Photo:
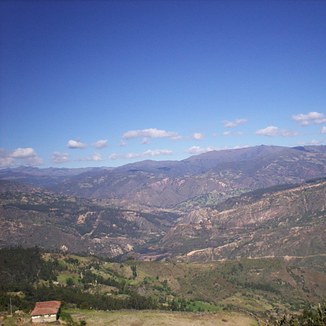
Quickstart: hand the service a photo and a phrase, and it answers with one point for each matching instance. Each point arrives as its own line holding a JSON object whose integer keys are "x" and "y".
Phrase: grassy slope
{"x": 256, "y": 285}
{"x": 262, "y": 287}
{"x": 150, "y": 318}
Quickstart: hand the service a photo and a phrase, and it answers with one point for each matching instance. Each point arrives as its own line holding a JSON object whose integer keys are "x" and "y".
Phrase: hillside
{"x": 30, "y": 216}
{"x": 263, "y": 288}
{"x": 278, "y": 221}
{"x": 269, "y": 222}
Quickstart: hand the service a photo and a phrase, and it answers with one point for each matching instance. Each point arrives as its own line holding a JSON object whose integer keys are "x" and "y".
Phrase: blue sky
{"x": 106, "y": 83}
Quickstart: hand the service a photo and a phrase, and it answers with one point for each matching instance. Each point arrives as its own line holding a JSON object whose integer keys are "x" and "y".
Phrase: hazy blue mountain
{"x": 215, "y": 174}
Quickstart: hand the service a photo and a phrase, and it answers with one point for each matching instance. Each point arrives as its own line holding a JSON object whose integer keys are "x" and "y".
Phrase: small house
{"x": 46, "y": 311}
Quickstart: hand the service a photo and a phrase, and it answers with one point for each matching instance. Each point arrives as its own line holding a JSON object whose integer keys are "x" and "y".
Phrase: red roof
{"x": 46, "y": 308}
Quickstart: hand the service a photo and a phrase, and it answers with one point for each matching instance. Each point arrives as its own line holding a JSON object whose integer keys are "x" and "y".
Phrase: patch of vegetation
{"x": 21, "y": 267}
{"x": 260, "y": 286}
{"x": 25, "y": 271}
{"x": 311, "y": 316}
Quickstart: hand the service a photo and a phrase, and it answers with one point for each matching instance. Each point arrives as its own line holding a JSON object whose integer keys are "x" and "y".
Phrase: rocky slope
{"x": 288, "y": 222}
{"x": 281, "y": 221}
{"x": 31, "y": 216}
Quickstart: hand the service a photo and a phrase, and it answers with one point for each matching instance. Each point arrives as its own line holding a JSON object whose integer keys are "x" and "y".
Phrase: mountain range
{"x": 219, "y": 174}
{"x": 249, "y": 202}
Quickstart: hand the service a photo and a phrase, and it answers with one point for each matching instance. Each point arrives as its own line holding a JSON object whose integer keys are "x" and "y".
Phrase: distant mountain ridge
{"x": 170, "y": 183}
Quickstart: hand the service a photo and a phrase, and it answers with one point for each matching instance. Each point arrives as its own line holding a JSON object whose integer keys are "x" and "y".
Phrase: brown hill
{"x": 269, "y": 222}
{"x": 31, "y": 216}
{"x": 263, "y": 223}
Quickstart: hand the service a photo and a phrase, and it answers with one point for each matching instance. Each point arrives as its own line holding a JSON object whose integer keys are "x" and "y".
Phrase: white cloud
{"x": 157, "y": 152}
{"x": 323, "y": 130}
{"x": 114, "y": 156}
{"x": 150, "y": 133}
{"x": 27, "y": 156}
{"x": 199, "y": 150}
{"x": 59, "y": 158}
{"x": 73, "y": 144}
{"x": 234, "y": 123}
{"x": 21, "y": 153}
{"x": 6, "y": 162}
{"x": 288, "y": 133}
{"x": 148, "y": 153}
{"x": 101, "y": 143}
{"x": 198, "y": 136}
{"x": 19, "y": 156}
{"x": 273, "y": 131}
{"x": 5, "y": 159}
{"x": 312, "y": 142}
{"x": 132, "y": 155}
{"x": 96, "y": 157}
{"x": 312, "y": 118}
{"x": 232, "y": 133}
{"x": 268, "y": 131}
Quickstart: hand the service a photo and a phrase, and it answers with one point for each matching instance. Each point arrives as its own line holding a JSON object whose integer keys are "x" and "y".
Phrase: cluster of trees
{"x": 19, "y": 268}
{"x": 21, "y": 271}
{"x": 311, "y": 316}
{"x": 70, "y": 295}
{"x": 97, "y": 301}
{"x": 179, "y": 305}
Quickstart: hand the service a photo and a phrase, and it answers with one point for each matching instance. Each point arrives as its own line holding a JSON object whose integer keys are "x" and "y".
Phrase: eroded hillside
{"x": 262, "y": 223}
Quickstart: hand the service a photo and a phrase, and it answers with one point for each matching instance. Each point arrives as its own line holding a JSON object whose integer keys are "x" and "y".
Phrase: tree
{"x": 134, "y": 271}
{"x": 70, "y": 281}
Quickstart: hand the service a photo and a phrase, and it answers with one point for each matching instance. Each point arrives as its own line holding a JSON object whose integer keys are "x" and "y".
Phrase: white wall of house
{"x": 44, "y": 318}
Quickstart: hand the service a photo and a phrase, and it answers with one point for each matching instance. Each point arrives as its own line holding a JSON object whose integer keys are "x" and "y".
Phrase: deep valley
{"x": 242, "y": 229}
